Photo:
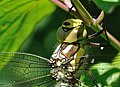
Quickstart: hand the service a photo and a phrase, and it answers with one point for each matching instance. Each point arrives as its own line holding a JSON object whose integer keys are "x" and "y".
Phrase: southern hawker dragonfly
{"x": 65, "y": 68}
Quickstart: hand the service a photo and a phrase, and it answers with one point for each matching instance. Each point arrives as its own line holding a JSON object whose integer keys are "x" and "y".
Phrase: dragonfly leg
{"x": 91, "y": 75}
{"x": 70, "y": 9}
{"x": 99, "y": 44}
{"x": 95, "y": 34}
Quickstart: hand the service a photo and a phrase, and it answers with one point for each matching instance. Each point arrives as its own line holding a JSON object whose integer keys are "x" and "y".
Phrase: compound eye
{"x": 66, "y": 23}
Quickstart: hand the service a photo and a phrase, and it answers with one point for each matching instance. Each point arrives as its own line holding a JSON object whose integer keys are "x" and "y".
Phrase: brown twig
{"x": 65, "y": 7}
{"x": 60, "y": 4}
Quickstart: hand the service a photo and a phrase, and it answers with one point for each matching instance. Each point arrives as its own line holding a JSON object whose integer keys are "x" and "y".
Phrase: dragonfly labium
{"x": 63, "y": 69}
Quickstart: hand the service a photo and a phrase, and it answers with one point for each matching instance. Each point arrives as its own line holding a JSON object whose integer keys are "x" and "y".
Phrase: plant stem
{"x": 60, "y": 4}
{"x": 87, "y": 18}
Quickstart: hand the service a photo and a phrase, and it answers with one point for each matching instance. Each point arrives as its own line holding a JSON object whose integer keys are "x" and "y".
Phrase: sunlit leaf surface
{"x": 18, "y": 20}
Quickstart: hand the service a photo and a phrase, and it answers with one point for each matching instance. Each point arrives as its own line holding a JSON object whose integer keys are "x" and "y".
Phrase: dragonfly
{"x": 65, "y": 66}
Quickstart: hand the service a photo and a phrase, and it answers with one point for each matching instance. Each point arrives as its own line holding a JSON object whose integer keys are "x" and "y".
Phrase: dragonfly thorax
{"x": 64, "y": 62}
{"x": 60, "y": 73}
{"x": 64, "y": 53}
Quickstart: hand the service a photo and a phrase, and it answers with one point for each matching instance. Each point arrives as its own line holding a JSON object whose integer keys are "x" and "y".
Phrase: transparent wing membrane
{"x": 24, "y": 70}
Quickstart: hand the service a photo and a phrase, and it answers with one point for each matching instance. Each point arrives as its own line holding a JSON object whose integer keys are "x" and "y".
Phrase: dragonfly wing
{"x": 24, "y": 70}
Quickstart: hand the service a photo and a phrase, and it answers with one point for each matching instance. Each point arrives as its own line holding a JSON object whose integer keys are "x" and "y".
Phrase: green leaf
{"x": 106, "y": 75}
{"x": 18, "y": 20}
{"x": 116, "y": 61}
{"x": 107, "y": 5}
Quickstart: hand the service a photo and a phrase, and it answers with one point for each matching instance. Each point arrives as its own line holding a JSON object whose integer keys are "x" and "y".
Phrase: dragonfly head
{"x": 71, "y": 30}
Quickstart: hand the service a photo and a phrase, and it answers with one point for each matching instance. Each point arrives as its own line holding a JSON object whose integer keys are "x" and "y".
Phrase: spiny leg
{"x": 91, "y": 75}
{"x": 99, "y": 44}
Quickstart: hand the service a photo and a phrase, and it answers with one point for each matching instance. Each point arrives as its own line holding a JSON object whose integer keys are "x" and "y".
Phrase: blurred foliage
{"x": 107, "y": 5}
{"x": 35, "y": 22}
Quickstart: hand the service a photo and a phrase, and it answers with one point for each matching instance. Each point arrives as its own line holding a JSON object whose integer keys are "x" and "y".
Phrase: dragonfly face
{"x": 71, "y": 30}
